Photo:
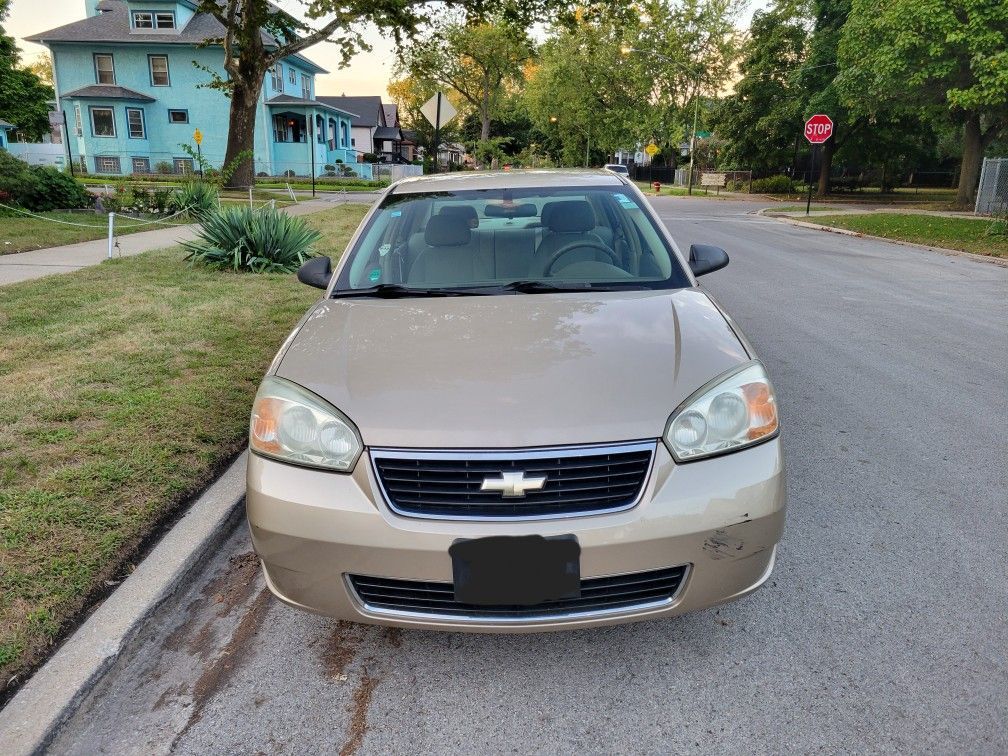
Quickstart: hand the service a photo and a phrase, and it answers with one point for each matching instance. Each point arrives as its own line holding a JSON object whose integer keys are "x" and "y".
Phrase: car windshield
{"x": 533, "y": 240}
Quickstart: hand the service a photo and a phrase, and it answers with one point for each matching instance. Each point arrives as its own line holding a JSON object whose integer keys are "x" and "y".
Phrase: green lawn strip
{"x": 22, "y": 233}
{"x": 124, "y": 388}
{"x": 966, "y": 234}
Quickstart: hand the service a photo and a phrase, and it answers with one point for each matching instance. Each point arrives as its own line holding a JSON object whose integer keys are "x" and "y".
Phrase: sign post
{"x": 818, "y": 129}
{"x": 198, "y": 138}
{"x": 438, "y": 111}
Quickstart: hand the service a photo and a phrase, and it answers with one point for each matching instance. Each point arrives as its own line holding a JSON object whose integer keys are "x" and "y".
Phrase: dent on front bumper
{"x": 720, "y": 517}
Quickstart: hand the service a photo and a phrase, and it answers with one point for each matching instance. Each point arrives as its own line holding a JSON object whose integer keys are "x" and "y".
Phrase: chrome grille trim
{"x": 481, "y": 455}
{"x": 531, "y": 618}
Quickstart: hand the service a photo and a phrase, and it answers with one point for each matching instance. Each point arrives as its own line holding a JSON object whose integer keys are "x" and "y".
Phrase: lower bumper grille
{"x": 605, "y": 595}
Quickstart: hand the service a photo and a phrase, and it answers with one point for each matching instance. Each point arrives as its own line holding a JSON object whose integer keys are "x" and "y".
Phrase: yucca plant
{"x": 259, "y": 241}
{"x": 198, "y": 198}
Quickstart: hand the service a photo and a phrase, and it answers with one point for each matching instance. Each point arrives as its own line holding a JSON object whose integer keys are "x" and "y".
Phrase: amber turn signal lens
{"x": 762, "y": 410}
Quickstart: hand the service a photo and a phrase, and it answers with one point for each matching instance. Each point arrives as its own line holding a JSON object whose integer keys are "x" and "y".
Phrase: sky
{"x": 367, "y": 74}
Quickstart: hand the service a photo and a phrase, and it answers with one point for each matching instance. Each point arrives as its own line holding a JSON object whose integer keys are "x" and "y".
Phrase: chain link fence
{"x": 992, "y": 194}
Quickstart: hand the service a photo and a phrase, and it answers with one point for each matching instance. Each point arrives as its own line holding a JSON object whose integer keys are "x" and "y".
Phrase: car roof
{"x": 518, "y": 179}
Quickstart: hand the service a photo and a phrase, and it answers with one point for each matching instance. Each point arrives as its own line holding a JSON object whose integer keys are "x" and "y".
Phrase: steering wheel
{"x": 587, "y": 243}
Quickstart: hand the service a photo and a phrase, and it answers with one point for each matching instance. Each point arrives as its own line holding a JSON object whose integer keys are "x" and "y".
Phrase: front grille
{"x": 585, "y": 480}
{"x": 598, "y": 595}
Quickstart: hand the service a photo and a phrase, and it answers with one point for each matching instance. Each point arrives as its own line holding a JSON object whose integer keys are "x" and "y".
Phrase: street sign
{"x": 432, "y": 110}
{"x": 818, "y": 128}
{"x": 652, "y": 149}
{"x": 198, "y": 137}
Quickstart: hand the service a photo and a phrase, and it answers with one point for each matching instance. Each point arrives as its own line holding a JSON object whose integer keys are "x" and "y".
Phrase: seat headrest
{"x": 463, "y": 211}
{"x": 447, "y": 231}
{"x": 569, "y": 216}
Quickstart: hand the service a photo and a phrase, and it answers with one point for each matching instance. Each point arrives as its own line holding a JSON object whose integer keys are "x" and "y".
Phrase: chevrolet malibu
{"x": 514, "y": 409}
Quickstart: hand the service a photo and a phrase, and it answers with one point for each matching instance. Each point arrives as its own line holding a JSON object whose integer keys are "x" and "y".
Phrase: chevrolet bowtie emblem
{"x": 513, "y": 484}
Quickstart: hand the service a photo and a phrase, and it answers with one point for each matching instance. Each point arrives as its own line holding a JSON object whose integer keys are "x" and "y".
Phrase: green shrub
{"x": 773, "y": 185}
{"x": 198, "y": 198}
{"x": 164, "y": 168}
{"x": 40, "y": 188}
{"x": 257, "y": 241}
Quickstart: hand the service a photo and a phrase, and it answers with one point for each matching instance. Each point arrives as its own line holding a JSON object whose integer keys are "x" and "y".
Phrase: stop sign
{"x": 818, "y": 128}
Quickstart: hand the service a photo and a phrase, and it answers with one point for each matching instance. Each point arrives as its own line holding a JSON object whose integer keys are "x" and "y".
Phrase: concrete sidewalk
{"x": 37, "y": 263}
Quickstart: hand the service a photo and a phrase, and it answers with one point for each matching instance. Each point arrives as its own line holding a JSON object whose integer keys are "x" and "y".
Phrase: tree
{"x": 42, "y": 68}
{"x": 480, "y": 59}
{"x": 584, "y": 89}
{"x": 24, "y": 98}
{"x": 410, "y": 93}
{"x": 762, "y": 119}
{"x": 950, "y": 55}
{"x": 257, "y": 35}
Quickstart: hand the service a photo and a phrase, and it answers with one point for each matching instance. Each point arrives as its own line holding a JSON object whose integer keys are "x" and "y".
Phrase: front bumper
{"x": 720, "y": 517}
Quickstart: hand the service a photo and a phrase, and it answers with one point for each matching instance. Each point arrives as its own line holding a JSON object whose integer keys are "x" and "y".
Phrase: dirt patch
{"x": 223, "y": 667}
{"x": 394, "y": 636}
{"x": 341, "y": 648}
{"x": 358, "y": 720}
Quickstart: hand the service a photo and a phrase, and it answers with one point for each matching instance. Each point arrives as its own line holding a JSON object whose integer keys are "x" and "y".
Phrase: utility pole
{"x": 692, "y": 149}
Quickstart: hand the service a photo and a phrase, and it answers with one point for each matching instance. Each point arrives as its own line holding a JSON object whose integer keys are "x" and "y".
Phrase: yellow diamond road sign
{"x": 198, "y": 136}
{"x": 652, "y": 149}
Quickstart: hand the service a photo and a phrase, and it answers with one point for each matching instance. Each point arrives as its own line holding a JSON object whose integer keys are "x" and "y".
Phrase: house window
{"x": 279, "y": 128}
{"x": 141, "y": 165}
{"x": 135, "y": 123}
{"x": 183, "y": 165}
{"x": 78, "y": 120}
{"x": 292, "y": 75}
{"x": 353, "y": 142}
{"x": 107, "y": 164}
{"x": 178, "y": 116}
{"x": 103, "y": 122}
{"x": 104, "y": 69}
{"x": 306, "y": 87}
{"x": 159, "y": 70}
{"x": 152, "y": 20}
{"x": 276, "y": 78}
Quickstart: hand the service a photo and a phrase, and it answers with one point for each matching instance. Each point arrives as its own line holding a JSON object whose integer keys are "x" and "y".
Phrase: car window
{"x": 566, "y": 237}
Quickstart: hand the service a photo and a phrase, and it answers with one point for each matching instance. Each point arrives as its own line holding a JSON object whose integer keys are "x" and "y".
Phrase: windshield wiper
{"x": 397, "y": 291}
{"x": 545, "y": 287}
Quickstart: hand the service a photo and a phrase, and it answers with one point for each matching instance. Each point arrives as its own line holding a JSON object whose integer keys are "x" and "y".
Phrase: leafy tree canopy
{"x": 24, "y": 97}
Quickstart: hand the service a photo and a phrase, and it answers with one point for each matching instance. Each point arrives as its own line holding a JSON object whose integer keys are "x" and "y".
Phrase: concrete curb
{"x": 32, "y": 718}
{"x": 1002, "y": 261}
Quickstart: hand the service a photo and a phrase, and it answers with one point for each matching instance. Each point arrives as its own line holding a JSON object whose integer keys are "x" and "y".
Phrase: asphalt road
{"x": 883, "y": 628}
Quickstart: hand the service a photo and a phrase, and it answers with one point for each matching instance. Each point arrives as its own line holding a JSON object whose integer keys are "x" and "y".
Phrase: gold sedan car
{"x": 514, "y": 409}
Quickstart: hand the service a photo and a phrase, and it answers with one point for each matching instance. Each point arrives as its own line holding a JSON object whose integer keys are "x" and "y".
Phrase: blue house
{"x": 131, "y": 79}
{"x": 4, "y": 128}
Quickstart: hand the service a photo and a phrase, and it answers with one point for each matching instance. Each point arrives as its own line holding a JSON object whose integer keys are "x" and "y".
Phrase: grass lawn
{"x": 120, "y": 399}
{"x": 966, "y": 234}
{"x": 21, "y": 233}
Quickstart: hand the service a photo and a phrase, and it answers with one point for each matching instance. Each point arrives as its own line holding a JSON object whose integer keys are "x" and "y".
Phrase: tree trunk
{"x": 972, "y": 153}
{"x": 825, "y": 166}
{"x": 241, "y": 134}
{"x": 484, "y": 126}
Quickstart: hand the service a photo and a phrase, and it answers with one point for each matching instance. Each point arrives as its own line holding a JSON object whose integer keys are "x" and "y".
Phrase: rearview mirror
{"x": 705, "y": 258}
{"x": 316, "y": 272}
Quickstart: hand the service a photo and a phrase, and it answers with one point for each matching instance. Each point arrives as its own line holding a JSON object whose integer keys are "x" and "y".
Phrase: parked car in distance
{"x": 617, "y": 168}
{"x": 514, "y": 409}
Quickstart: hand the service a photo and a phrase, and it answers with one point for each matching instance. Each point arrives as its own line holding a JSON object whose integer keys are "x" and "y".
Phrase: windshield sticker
{"x": 396, "y": 213}
{"x": 384, "y": 249}
{"x": 626, "y": 202}
{"x": 374, "y": 275}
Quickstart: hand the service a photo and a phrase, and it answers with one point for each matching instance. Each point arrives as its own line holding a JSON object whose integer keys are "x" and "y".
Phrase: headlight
{"x": 731, "y": 413}
{"x": 292, "y": 424}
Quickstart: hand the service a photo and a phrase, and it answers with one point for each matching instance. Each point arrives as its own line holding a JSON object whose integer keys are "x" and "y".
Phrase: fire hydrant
{"x": 657, "y": 187}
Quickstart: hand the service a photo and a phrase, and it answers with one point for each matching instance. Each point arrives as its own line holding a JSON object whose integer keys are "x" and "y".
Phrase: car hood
{"x": 512, "y": 370}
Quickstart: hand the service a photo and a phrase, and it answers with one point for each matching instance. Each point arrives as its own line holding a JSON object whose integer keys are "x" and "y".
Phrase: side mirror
{"x": 316, "y": 272}
{"x": 704, "y": 258}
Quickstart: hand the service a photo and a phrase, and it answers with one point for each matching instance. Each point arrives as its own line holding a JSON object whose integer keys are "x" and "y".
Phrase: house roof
{"x": 300, "y": 101}
{"x": 388, "y": 133}
{"x": 409, "y": 136}
{"x": 109, "y": 92}
{"x": 391, "y": 114}
{"x": 368, "y": 108}
{"x": 112, "y": 25}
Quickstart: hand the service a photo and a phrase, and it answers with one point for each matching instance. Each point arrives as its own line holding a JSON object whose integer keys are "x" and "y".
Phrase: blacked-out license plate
{"x": 516, "y": 570}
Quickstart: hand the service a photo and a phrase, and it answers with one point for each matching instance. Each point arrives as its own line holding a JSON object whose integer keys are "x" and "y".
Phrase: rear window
{"x": 491, "y": 238}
